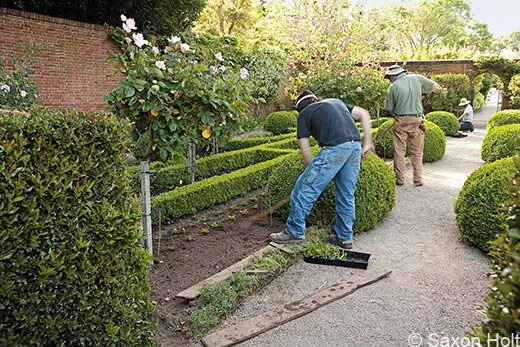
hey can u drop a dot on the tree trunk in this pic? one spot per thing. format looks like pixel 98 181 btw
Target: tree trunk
pixel 221 17
pixel 214 145
pixel 191 162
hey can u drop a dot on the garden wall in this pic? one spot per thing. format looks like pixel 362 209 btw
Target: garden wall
pixel 73 71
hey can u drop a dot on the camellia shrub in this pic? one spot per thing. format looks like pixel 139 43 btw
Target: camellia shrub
pixel 500 142
pixel 280 122
pixel 73 272
pixel 514 89
pixel 477 208
pixel 458 86
pixel 434 141
pixel 375 193
pixel 445 120
pixel 503 117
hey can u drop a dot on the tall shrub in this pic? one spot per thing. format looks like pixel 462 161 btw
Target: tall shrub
pixel 72 270
pixel 458 86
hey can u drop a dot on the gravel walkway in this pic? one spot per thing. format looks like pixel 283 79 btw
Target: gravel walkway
pixel 437 281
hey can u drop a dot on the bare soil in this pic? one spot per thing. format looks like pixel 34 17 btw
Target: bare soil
pixel 197 247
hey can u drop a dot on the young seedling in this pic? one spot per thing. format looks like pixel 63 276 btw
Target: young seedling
pixel 320 249
pixel 204 230
pixel 231 217
pixel 188 238
pixel 215 225
pixel 244 212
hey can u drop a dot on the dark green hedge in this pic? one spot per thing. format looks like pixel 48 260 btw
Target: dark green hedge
pixel 212 191
pixel 458 86
pixel 479 201
pixel 445 120
pixel 500 142
pixel 434 142
pixel 376 122
pixel 503 300
pixel 503 117
pixel 236 144
pixel 279 122
pixel 72 270
pixel 375 193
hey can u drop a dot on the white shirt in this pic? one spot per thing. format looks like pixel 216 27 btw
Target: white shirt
pixel 469 114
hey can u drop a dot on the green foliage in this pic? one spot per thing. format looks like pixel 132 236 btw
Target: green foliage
pixel 235 144
pixel 17 89
pixel 319 249
pixel 477 206
pixel 514 88
pixel 503 117
pixel 272 260
pixel 458 86
pixel 503 301
pixel 501 142
pixel 434 142
pixel 267 69
pixel 445 120
pixel 73 271
pixel 212 191
pixel 375 193
pixel 279 122
pixel 479 100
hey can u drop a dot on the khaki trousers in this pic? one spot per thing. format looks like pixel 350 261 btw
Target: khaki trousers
pixel 408 128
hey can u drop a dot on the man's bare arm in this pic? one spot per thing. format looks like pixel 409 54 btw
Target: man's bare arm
pixel 305 149
pixel 362 115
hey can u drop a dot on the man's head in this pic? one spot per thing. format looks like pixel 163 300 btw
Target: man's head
pixel 393 72
pixel 305 99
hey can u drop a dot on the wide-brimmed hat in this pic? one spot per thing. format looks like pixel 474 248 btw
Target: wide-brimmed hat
pixel 464 102
pixel 394 70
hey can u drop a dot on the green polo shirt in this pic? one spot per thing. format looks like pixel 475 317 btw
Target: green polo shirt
pixel 404 94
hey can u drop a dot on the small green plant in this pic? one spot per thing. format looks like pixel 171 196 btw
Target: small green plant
pixel 244 212
pixel 279 122
pixel 215 225
pixel 272 260
pixel 174 231
pixel 204 230
pixel 319 249
pixel 188 238
pixel 231 217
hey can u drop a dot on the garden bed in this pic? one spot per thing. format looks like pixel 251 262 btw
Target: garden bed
pixel 195 248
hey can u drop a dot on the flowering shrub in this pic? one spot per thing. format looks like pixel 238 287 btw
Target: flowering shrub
pixel 17 90
pixel 179 91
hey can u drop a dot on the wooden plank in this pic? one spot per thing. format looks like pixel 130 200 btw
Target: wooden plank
pixel 276 317
pixel 282 248
pixel 194 291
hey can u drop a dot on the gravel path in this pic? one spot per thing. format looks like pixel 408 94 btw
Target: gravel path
pixel 437 281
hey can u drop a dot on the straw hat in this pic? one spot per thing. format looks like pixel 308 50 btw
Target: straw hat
pixel 394 70
pixel 464 102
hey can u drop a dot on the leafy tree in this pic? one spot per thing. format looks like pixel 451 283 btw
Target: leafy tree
pixel 159 16
pixel 508 45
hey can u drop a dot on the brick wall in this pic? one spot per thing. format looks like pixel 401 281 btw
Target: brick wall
pixel 73 71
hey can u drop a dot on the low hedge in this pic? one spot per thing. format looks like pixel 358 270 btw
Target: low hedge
pixel 503 117
pixel 477 207
pixel 500 142
pixel 72 270
pixel 236 144
pixel 212 191
pixel 376 122
pixel 375 193
pixel 434 142
pixel 445 120
pixel 279 122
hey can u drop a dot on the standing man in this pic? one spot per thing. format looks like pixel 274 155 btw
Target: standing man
pixel 404 102
pixel 331 123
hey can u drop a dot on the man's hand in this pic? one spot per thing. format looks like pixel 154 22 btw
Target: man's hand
pixel 305 150
pixel 367 149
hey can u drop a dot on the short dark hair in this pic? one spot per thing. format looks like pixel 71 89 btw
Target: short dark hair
pixel 309 98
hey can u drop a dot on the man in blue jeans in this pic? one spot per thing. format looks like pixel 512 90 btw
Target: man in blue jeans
pixel 332 124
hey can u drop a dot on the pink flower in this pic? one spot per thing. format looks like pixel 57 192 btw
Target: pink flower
pixel 160 65
pixel 342 74
pixel 155 50
pixel 244 73
pixel 185 47
pixel 352 73
pixel 359 90
pixel 218 56
pixel 174 39
pixel 213 70
pixel 123 18
pixel 139 40
pixel 291 64
pixel 129 25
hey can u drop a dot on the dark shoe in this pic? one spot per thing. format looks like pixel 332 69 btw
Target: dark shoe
pixel 417 184
pixel 283 238
pixel 399 184
pixel 342 244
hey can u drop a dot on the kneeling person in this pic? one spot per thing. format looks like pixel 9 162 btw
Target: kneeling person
pixel 332 124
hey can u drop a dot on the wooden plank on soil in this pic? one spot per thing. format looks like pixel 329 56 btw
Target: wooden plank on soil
pixel 194 291
pixel 282 248
pixel 281 315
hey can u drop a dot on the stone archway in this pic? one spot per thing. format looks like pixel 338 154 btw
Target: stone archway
pixel 459 66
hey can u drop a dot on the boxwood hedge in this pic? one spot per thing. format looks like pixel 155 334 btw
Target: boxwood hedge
pixel 477 207
pixel 72 270
pixel 500 142
pixel 279 122
pixel 375 193
pixel 445 120
pixel 434 142
pixel 503 117
pixel 235 144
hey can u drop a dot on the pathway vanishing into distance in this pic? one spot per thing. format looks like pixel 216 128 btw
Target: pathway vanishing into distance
pixel 437 283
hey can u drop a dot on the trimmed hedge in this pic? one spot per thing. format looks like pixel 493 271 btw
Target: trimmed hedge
pixel 445 120
pixel 212 191
pixel 236 144
pixel 500 142
pixel 279 122
pixel 478 205
pixel 458 86
pixel 375 193
pixel 376 122
pixel 72 270
pixel 434 142
pixel 503 117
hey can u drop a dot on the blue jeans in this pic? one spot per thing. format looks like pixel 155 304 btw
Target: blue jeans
pixel 340 163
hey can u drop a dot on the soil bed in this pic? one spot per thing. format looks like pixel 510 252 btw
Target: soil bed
pixel 185 255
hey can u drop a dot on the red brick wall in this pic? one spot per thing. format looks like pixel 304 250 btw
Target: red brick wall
pixel 73 71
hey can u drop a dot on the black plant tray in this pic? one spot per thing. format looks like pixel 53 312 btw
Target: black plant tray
pixel 356 260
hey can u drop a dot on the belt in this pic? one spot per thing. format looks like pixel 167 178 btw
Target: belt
pixel 409 115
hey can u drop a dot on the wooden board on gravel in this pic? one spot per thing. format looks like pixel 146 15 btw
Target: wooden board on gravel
pixel 281 315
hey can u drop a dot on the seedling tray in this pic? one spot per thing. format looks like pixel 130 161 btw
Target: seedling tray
pixel 356 260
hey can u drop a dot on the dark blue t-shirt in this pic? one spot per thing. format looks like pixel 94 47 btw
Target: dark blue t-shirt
pixel 329 121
